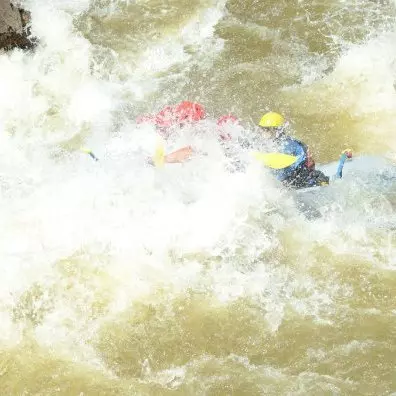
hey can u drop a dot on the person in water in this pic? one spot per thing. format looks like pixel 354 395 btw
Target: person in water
pixel 178 116
pixel 302 172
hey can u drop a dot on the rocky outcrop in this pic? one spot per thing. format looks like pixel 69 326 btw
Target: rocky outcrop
pixel 14 27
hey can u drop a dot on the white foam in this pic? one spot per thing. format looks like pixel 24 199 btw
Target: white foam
pixel 142 222
pixel 170 51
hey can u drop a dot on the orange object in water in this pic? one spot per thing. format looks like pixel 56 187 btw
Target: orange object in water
pixel 179 156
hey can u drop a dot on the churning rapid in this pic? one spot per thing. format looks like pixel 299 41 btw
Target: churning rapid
pixel 120 278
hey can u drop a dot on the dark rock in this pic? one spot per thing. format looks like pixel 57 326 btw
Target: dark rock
pixel 14 27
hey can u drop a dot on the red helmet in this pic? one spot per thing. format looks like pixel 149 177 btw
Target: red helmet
pixel 166 117
pixel 228 118
pixel 189 111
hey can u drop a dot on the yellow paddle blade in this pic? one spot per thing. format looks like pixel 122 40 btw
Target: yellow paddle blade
pixel 275 160
pixel 159 155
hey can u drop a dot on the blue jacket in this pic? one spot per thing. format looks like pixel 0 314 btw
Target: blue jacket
pixel 288 145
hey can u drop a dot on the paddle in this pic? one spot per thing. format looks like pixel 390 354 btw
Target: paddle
pixel 272 160
pixel 90 153
pixel 158 158
pixel 346 154
pixel 275 160
pixel 159 155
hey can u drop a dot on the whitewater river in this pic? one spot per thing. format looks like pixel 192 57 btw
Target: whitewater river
pixel 118 278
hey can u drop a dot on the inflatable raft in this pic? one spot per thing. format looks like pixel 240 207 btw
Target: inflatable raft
pixel 362 180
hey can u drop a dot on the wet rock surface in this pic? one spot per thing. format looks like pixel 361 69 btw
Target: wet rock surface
pixel 14 27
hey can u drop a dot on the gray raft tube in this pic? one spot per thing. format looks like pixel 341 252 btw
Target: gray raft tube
pixel 367 187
